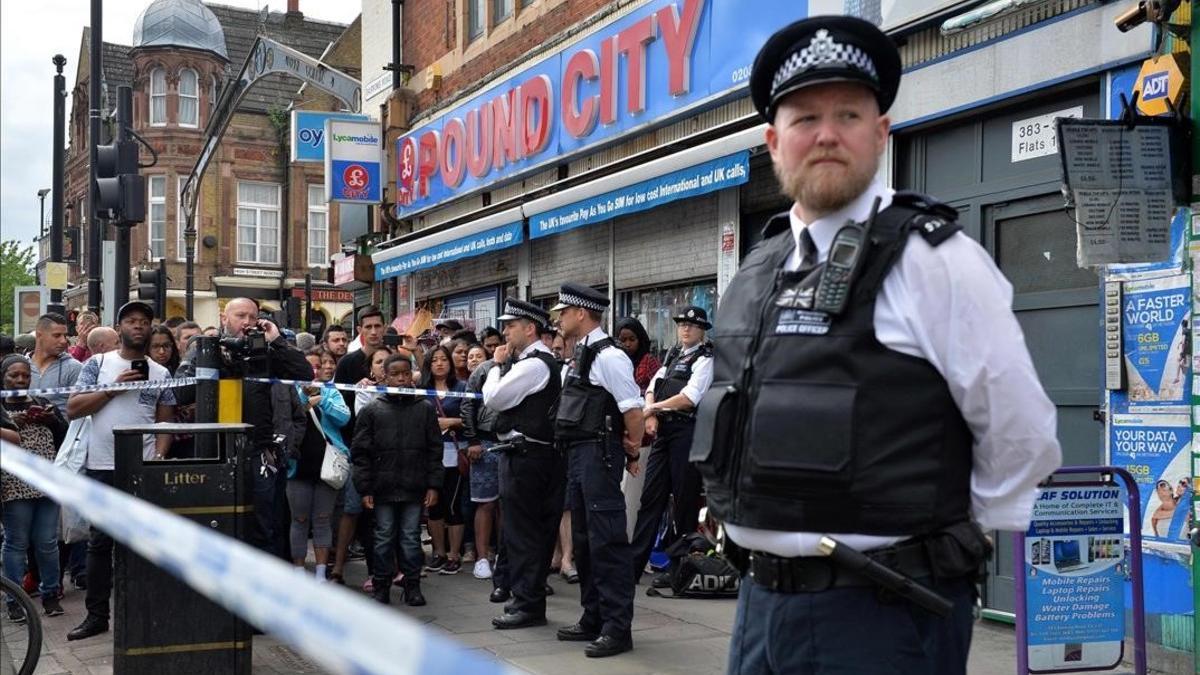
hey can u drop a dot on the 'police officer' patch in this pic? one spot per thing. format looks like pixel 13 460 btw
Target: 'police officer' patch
pixel 802 322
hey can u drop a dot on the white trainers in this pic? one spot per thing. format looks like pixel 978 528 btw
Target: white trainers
pixel 483 569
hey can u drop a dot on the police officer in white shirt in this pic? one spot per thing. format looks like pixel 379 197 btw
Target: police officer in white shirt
pixel 599 424
pixel 671 399
pixel 523 389
pixel 872 385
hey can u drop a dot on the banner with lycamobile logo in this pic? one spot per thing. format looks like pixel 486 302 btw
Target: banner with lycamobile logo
pixel 1156 449
pixel 353 161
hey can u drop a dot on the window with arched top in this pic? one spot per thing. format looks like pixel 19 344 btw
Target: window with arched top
pixel 158 97
pixel 189 98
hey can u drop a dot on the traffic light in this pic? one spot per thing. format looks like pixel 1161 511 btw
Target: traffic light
pixel 120 189
pixel 152 288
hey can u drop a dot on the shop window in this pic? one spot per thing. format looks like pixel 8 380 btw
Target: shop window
pixel 501 10
pixel 475 18
pixel 158 97
pixel 318 227
pixel 181 219
pixel 189 98
pixel 654 307
pixel 475 310
pixel 258 222
pixel 157 216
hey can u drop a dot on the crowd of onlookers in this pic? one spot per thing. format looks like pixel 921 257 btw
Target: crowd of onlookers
pixel 440 464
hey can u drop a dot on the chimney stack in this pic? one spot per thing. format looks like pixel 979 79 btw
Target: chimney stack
pixel 293 6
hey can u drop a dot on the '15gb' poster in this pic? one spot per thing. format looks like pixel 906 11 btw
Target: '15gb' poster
pixel 1157 345
pixel 1156 450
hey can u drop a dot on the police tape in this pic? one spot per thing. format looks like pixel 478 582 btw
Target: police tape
pixel 188 381
pixel 344 632
pixel 165 383
pixel 372 388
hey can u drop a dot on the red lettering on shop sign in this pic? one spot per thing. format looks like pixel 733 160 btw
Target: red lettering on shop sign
pixel 479 141
pixel 579 120
pixel 517 124
pixel 679 37
pixel 608 80
pixel 427 162
pixel 632 43
pixel 536 103
pixel 453 155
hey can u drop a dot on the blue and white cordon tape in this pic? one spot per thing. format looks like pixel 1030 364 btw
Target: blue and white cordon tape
pixel 188 381
pixel 89 388
pixel 341 630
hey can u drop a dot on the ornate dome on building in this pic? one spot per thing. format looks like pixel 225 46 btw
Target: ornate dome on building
pixel 180 23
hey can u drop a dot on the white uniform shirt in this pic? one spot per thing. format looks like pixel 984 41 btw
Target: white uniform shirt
pixel 951 306
pixel 612 370
pixel 527 376
pixel 699 381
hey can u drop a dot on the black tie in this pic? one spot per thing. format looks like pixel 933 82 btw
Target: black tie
pixel 808 251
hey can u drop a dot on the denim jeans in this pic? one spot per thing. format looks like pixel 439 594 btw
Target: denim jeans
pixel 32 522
pixel 398 521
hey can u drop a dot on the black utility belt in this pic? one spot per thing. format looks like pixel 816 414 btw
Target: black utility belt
pixel 676 418
pixel 813 574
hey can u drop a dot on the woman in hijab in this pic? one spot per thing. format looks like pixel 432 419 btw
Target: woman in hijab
pixel 633 339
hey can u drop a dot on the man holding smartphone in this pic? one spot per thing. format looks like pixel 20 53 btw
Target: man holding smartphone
pixel 108 409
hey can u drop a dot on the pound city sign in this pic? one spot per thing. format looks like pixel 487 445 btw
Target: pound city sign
pixel 644 69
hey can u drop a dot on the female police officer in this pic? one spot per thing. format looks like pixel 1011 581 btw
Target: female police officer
pixel 871 384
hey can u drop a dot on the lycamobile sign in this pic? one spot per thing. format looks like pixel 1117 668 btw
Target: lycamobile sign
pixel 353 162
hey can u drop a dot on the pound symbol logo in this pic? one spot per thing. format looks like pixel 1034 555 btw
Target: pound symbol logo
pixel 355 180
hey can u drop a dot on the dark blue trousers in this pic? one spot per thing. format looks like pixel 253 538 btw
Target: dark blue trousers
pixel 668 475
pixel 602 552
pixel 848 630
pixel 531 494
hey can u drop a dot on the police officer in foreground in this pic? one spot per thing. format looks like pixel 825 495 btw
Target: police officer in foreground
pixel 872 393
pixel 671 399
pixel 599 425
pixel 522 388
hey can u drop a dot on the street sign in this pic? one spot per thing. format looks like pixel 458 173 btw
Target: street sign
pixel 353 161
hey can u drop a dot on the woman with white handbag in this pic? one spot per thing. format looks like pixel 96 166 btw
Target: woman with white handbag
pixel 319 469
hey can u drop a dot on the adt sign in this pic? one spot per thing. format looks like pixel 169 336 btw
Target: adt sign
pixel 308 133
pixel 1161 84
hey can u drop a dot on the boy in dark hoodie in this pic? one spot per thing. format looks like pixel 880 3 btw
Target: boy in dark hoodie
pixel 397 456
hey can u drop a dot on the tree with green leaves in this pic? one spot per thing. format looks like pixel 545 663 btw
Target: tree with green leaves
pixel 16 269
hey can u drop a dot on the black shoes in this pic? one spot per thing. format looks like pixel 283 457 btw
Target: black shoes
pixel 518 620
pixel 413 597
pixel 661 580
pixel 499 595
pixel 607 645
pixel 16 615
pixel 90 627
pixel 577 633
pixel 52 606
pixel 382 592
pixel 549 590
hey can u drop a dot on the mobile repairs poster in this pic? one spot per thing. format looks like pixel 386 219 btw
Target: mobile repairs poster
pixel 1157 345
pixel 1156 450
pixel 1075 578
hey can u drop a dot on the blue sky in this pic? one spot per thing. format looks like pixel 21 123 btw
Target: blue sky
pixel 31 33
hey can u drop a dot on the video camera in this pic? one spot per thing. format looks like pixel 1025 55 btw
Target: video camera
pixel 249 352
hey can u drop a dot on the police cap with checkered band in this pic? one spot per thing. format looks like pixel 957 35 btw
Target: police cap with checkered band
pixel 824 49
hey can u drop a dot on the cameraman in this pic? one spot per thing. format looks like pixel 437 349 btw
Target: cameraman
pixel 240 322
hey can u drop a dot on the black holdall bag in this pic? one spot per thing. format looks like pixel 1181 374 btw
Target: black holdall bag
pixel 698 571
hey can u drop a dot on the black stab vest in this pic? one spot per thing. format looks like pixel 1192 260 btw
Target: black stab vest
pixel 583 406
pixel 533 417
pixel 678 371
pixel 811 423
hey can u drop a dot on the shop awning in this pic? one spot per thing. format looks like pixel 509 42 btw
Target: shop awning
pixel 706 168
pixel 490 233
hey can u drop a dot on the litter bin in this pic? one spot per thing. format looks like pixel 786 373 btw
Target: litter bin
pixel 160 624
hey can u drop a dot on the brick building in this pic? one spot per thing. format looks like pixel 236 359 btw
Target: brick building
pixel 262 221
pixel 611 143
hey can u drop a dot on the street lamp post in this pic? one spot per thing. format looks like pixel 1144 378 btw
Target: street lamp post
pixel 189 238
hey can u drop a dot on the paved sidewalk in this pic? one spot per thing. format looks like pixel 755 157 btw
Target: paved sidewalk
pixel 670 636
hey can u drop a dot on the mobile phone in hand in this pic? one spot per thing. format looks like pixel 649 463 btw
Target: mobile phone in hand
pixel 142 366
